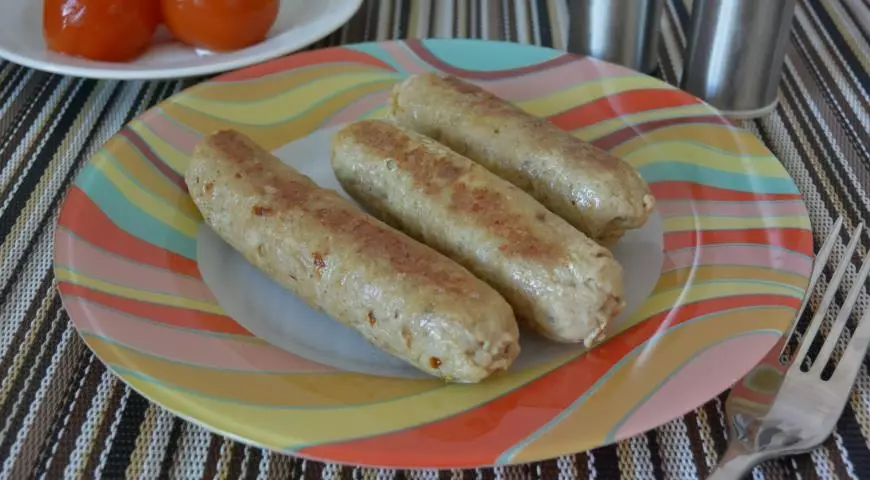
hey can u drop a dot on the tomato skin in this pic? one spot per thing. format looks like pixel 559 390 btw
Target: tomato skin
pixel 220 25
pixel 105 30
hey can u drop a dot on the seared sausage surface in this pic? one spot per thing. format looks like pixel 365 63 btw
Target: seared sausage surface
pixel 598 193
pixel 401 295
pixel 559 281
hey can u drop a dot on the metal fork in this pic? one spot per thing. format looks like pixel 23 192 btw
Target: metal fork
pixel 778 409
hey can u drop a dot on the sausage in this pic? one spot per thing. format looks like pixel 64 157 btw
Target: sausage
pixel 596 192
pixel 401 295
pixel 558 281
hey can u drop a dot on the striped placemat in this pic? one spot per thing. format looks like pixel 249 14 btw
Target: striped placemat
pixel 63 415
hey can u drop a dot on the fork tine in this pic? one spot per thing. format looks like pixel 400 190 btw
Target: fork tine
pixel 818 267
pixel 813 329
pixel 842 318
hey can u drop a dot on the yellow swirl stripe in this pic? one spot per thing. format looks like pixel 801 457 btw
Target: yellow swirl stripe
pixel 265 389
pixel 720 137
pixel 678 278
pixel 66 275
pixel 558 102
pixel 664 300
pixel 273 86
pixel 689 152
pixel 275 135
pixel 291 105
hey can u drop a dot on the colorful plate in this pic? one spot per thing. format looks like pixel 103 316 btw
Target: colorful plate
pixel 732 235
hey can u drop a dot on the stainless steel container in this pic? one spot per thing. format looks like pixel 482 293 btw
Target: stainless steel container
pixel 735 53
pixel 618 31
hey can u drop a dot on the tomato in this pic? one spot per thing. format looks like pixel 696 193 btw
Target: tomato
pixel 220 25
pixel 107 30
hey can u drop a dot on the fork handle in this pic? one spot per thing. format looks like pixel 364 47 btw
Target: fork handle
pixel 734 464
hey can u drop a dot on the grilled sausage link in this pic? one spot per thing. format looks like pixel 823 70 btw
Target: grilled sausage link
pixel 559 281
pixel 401 295
pixel 598 193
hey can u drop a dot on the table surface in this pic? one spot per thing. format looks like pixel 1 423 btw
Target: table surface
pixel 62 414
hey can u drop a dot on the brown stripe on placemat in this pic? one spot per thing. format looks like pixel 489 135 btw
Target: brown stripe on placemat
pixel 119 456
pixel 606 461
pixel 711 455
pixel 60 420
pixel 485 473
pixel 312 469
pixel 843 110
pixel 838 49
pixel 30 84
pixel 805 467
pixel 279 465
pixel 580 465
pixel 49 411
pixel 87 405
pixel 838 456
pixel 210 467
pixel 171 448
pixel 860 24
pixel 20 423
pixel 715 412
pixel 826 156
pixel 234 460
pixel 655 453
pixel 254 456
pixel 806 151
pixel 670 41
pixel 9 76
pixel 546 470
pixel 143 441
pixel 696 443
pixel 22 385
pixel 625 458
pixel 849 428
pixel 15 139
pixel 27 395
pixel 13 87
pixel 443 474
pixel 40 157
pixel 189 459
pixel 849 36
pixel 24 337
pixel 510 18
pixel 556 13
pixel 543 27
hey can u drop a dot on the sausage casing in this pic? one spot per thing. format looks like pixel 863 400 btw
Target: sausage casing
pixel 400 294
pixel 557 279
pixel 596 192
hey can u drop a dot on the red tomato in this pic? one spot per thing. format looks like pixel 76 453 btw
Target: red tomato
pixel 107 30
pixel 220 25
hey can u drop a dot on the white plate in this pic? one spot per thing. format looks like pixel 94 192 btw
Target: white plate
pixel 300 23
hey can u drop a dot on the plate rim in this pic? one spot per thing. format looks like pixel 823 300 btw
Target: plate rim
pixel 302 452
